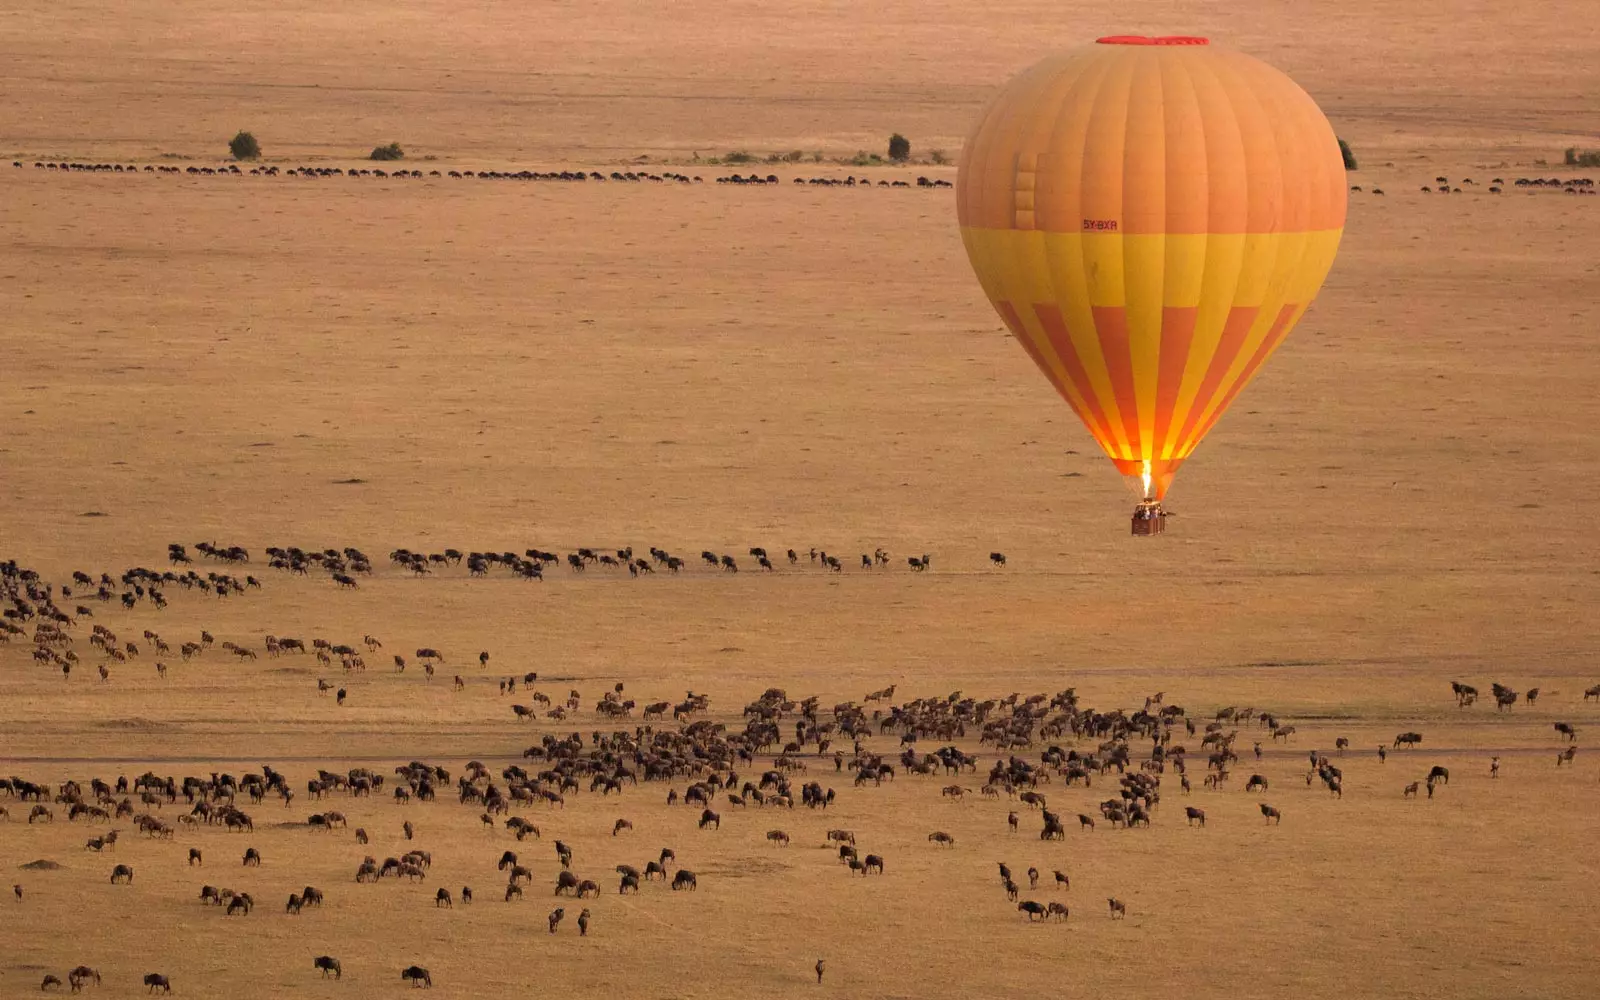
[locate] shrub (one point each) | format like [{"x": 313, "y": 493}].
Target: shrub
[
  {"x": 244, "y": 147},
  {"x": 793, "y": 156},
  {"x": 389, "y": 152},
  {"x": 738, "y": 156},
  {"x": 899, "y": 148},
  {"x": 939, "y": 157},
  {"x": 1582, "y": 157},
  {"x": 1349, "y": 157}
]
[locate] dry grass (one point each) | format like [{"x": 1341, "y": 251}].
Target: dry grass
[{"x": 1395, "y": 502}]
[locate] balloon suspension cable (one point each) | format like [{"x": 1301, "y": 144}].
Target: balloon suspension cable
[{"x": 1148, "y": 517}]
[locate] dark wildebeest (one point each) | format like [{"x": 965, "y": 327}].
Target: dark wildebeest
[
  {"x": 1439, "y": 774},
  {"x": 684, "y": 880},
  {"x": 417, "y": 974},
  {"x": 998, "y": 558},
  {"x": 1271, "y": 814},
  {"x": 1195, "y": 815},
  {"x": 442, "y": 898},
  {"x": 1256, "y": 781},
  {"x": 122, "y": 873},
  {"x": 1035, "y": 911},
  {"x": 1408, "y": 739},
  {"x": 555, "y": 918},
  {"x": 1411, "y": 790},
  {"x": 327, "y": 963},
  {"x": 156, "y": 981},
  {"x": 1119, "y": 909},
  {"x": 1057, "y": 910},
  {"x": 711, "y": 819}
]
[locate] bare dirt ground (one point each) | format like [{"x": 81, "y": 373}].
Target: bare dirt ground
[{"x": 1398, "y": 501}]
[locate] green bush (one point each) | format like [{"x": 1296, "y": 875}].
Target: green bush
[
  {"x": 899, "y": 148},
  {"x": 939, "y": 157},
  {"x": 1582, "y": 157},
  {"x": 793, "y": 156},
  {"x": 244, "y": 147},
  {"x": 389, "y": 152},
  {"x": 738, "y": 156},
  {"x": 1349, "y": 157}
]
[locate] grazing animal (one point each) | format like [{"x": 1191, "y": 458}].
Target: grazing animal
[
  {"x": 442, "y": 898},
  {"x": 79, "y": 977},
  {"x": 555, "y": 918},
  {"x": 252, "y": 858},
  {"x": 194, "y": 857},
  {"x": 1195, "y": 815},
  {"x": 417, "y": 975},
  {"x": 1439, "y": 773},
  {"x": 998, "y": 558},
  {"x": 1057, "y": 910},
  {"x": 583, "y": 923},
  {"x": 50, "y": 981},
  {"x": 711, "y": 819},
  {"x": 327, "y": 963},
  {"x": 1411, "y": 790},
  {"x": 685, "y": 879},
  {"x": 1035, "y": 911},
  {"x": 1271, "y": 814},
  {"x": 123, "y": 874},
  {"x": 156, "y": 981},
  {"x": 1119, "y": 909},
  {"x": 821, "y": 965}
]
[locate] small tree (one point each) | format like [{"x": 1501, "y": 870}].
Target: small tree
[
  {"x": 389, "y": 152},
  {"x": 244, "y": 147},
  {"x": 1349, "y": 157},
  {"x": 939, "y": 157},
  {"x": 899, "y": 148}
]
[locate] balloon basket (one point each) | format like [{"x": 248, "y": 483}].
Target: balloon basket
[{"x": 1149, "y": 518}]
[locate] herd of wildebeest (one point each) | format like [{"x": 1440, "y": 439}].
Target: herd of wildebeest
[
  {"x": 775, "y": 754},
  {"x": 632, "y": 176}
]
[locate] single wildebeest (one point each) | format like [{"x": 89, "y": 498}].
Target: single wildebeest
[
  {"x": 555, "y": 918},
  {"x": 1408, "y": 739},
  {"x": 156, "y": 981},
  {"x": 711, "y": 819},
  {"x": 122, "y": 873},
  {"x": 1195, "y": 815},
  {"x": 1035, "y": 911},
  {"x": 1272, "y": 815},
  {"x": 327, "y": 963},
  {"x": 684, "y": 880},
  {"x": 1119, "y": 909},
  {"x": 417, "y": 974},
  {"x": 442, "y": 898},
  {"x": 1439, "y": 774}
]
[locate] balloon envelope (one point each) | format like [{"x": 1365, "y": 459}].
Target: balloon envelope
[{"x": 1150, "y": 217}]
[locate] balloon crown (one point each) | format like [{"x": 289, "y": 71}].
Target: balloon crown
[{"x": 1149, "y": 40}]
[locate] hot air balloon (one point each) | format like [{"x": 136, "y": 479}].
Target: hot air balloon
[{"x": 1150, "y": 217}]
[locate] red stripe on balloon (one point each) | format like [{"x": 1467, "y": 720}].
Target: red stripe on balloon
[
  {"x": 1274, "y": 337},
  {"x": 1111, "y": 323},
  {"x": 1177, "y": 334},
  {"x": 1056, "y": 328},
  {"x": 1234, "y": 330}
]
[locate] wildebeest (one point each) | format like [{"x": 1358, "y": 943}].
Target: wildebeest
[
  {"x": 778, "y": 837},
  {"x": 156, "y": 981},
  {"x": 1035, "y": 911},
  {"x": 685, "y": 879},
  {"x": 1195, "y": 815},
  {"x": 1119, "y": 909},
  {"x": 252, "y": 858},
  {"x": 1271, "y": 814},
  {"x": 711, "y": 819},
  {"x": 327, "y": 963},
  {"x": 442, "y": 898},
  {"x": 998, "y": 558},
  {"x": 1411, "y": 790},
  {"x": 417, "y": 975},
  {"x": 122, "y": 873},
  {"x": 1408, "y": 739},
  {"x": 940, "y": 837},
  {"x": 1439, "y": 773},
  {"x": 583, "y": 923},
  {"x": 79, "y": 977},
  {"x": 555, "y": 918}
]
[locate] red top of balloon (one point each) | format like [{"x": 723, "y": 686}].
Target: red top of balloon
[{"x": 1148, "y": 40}]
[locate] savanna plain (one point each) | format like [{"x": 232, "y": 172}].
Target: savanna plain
[{"x": 1401, "y": 499}]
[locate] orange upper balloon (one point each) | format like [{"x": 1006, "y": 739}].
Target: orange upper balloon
[{"x": 1150, "y": 217}]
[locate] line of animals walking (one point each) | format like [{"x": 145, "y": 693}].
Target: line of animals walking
[{"x": 398, "y": 173}]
